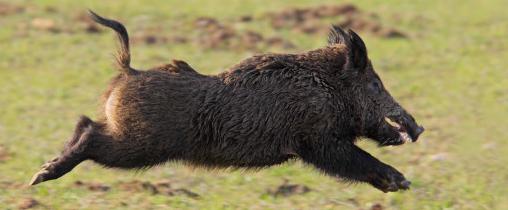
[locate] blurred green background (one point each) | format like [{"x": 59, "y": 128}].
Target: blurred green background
[{"x": 445, "y": 61}]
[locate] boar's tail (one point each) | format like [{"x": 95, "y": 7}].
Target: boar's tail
[{"x": 123, "y": 56}]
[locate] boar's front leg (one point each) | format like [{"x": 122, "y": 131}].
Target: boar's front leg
[{"x": 346, "y": 160}]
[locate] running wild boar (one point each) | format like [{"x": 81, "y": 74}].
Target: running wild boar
[{"x": 264, "y": 111}]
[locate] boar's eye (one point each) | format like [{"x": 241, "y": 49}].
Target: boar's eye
[{"x": 375, "y": 87}]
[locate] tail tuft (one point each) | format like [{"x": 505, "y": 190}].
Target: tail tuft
[{"x": 123, "y": 56}]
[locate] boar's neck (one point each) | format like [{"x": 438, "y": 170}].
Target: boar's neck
[{"x": 329, "y": 60}]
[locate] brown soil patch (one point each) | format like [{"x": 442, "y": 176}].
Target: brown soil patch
[
  {"x": 85, "y": 23},
  {"x": 9, "y": 9},
  {"x": 208, "y": 33},
  {"x": 251, "y": 39},
  {"x": 245, "y": 18},
  {"x": 286, "y": 189},
  {"x": 295, "y": 17},
  {"x": 156, "y": 35},
  {"x": 362, "y": 23},
  {"x": 162, "y": 187},
  {"x": 45, "y": 24},
  {"x": 311, "y": 20},
  {"x": 50, "y": 9},
  {"x": 148, "y": 38},
  {"x": 376, "y": 206},
  {"x": 79, "y": 23},
  {"x": 279, "y": 42},
  {"x": 97, "y": 187},
  {"x": 28, "y": 203},
  {"x": 214, "y": 34},
  {"x": 12, "y": 185},
  {"x": 4, "y": 155}
]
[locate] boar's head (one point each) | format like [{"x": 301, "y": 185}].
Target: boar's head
[{"x": 377, "y": 115}]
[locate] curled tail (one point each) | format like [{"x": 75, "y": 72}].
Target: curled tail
[{"x": 123, "y": 56}]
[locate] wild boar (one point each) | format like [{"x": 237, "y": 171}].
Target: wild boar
[{"x": 264, "y": 111}]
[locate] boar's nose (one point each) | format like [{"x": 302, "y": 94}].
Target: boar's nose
[{"x": 419, "y": 130}]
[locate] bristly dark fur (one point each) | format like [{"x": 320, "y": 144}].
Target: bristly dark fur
[{"x": 264, "y": 111}]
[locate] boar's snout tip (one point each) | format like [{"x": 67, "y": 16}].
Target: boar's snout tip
[{"x": 419, "y": 130}]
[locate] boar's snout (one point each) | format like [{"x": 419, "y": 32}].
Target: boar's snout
[
  {"x": 419, "y": 130},
  {"x": 411, "y": 127},
  {"x": 405, "y": 125},
  {"x": 414, "y": 131}
]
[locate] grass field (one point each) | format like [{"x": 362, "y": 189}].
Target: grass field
[{"x": 450, "y": 73}]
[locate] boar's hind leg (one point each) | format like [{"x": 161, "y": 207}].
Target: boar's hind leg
[
  {"x": 71, "y": 156},
  {"x": 346, "y": 160}
]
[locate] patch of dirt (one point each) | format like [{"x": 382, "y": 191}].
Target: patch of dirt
[
  {"x": 50, "y": 9},
  {"x": 279, "y": 42},
  {"x": 362, "y": 23},
  {"x": 210, "y": 34},
  {"x": 286, "y": 189},
  {"x": 28, "y": 203},
  {"x": 149, "y": 35},
  {"x": 85, "y": 23},
  {"x": 156, "y": 35},
  {"x": 310, "y": 20},
  {"x": 245, "y": 18},
  {"x": 162, "y": 187},
  {"x": 4, "y": 154},
  {"x": 12, "y": 185},
  {"x": 9, "y": 9},
  {"x": 97, "y": 187},
  {"x": 377, "y": 206},
  {"x": 148, "y": 38},
  {"x": 295, "y": 17},
  {"x": 214, "y": 34},
  {"x": 80, "y": 22},
  {"x": 251, "y": 39},
  {"x": 45, "y": 24}
]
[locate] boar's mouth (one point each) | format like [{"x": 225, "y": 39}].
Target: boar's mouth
[
  {"x": 404, "y": 136},
  {"x": 408, "y": 130}
]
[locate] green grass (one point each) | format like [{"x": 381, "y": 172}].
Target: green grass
[{"x": 451, "y": 74}]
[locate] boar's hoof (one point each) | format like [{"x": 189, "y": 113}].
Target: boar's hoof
[
  {"x": 390, "y": 181},
  {"x": 47, "y": 172}
]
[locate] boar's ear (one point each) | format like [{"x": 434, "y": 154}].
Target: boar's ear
[
  {"x": 357, "y": 52},
  {"x": 338, "y": 36}
]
